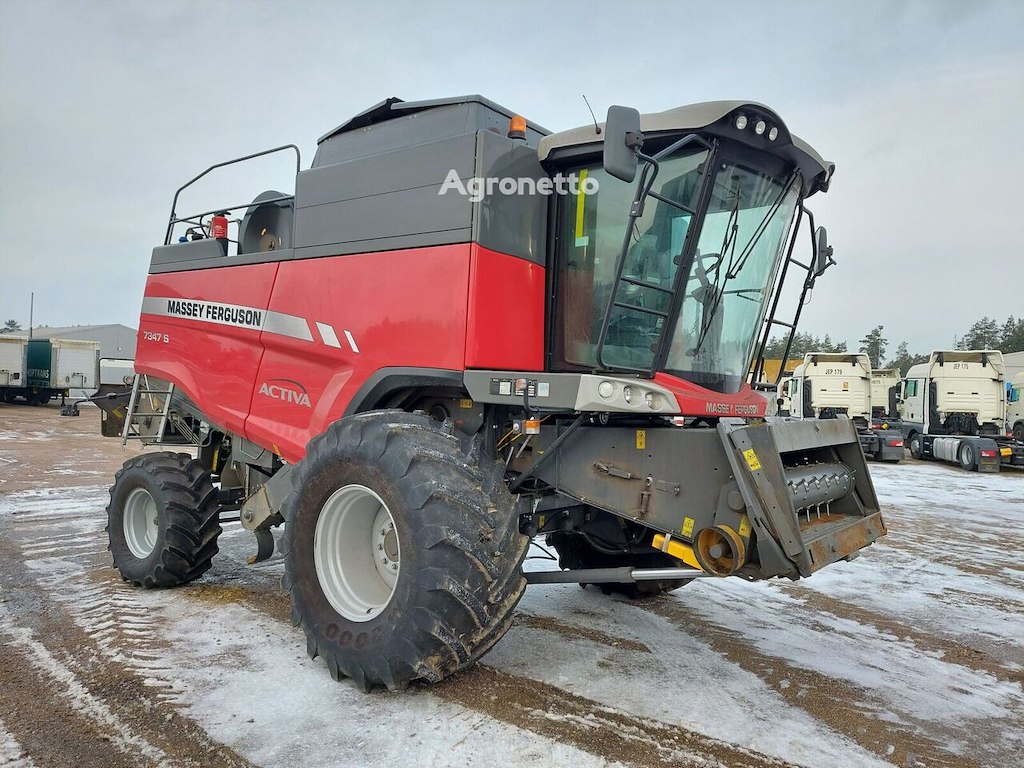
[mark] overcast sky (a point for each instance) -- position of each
(107, 107)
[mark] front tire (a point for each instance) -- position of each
(1018, 431)
(915, 446)
(403, 555)
(163, 520)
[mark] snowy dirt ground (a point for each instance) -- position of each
(912, 654)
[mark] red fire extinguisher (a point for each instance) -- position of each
(219, 230)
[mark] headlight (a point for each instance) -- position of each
(651, 398)
(773, 133)
(627, 393)
(741, 122)
(760, 126)
(606, 389)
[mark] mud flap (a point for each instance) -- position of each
(807, 490)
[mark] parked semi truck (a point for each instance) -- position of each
(1015, 408)
(953, 407)
(50, 368)
(884, 385)
(462, 332)
(829, 385)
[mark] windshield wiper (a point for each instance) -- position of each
(734, 270)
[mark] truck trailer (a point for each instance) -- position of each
(12, 366)
(829, 385)
(50, 368)
(953, 407)
(462, 332)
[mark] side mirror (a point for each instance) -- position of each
(622, 140)
(822, 252)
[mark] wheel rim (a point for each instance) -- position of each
(140, 523)
(356, 552)
(967, 456)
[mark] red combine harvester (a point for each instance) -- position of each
(462, 332)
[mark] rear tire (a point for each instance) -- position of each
(915, 446)
(576, 553)
(390, 488)
(1018, 431)
(966, 454)
(163, 520)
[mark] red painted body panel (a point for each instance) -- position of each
(697, 401)
(402, 308)
(214, 364)
(329, 324)
(506, 312)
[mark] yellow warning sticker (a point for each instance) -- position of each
(641, 439)
(465, 403)
(745, 527)
(687, 526)
(752, 460)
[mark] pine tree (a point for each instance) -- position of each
(874, 345)
(1011, 335)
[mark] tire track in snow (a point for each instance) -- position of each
(843, 707)
(61, 615)
(553, 712)
(58, 675)
(544, 709)
(68, 565)
(950, 650)
(11, 753)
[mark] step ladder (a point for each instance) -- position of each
(149, 412)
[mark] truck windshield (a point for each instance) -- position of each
(737, 252)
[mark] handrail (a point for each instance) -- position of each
(174, 204)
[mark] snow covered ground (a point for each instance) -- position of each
(912, 654)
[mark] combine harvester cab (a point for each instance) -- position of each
(953, 409)
(830, 385)
(462, 332)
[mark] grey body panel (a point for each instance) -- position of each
(678, 489)
(679, 481)
(374, 200)
(394, 123)
(390, 200)
(513, 224)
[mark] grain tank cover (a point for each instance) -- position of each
(394, 124)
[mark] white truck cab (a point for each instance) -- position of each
(953, 408)
(1015, 408)
(882, 380)
(828, 384)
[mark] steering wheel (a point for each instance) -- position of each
(701, 273)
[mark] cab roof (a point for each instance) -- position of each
(716, 118)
